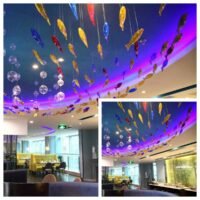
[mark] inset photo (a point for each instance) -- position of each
(149, 148)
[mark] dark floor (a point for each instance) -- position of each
(32, 178)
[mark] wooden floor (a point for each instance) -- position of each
(34, 178)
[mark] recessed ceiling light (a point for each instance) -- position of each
(60, 60)
(72, 116)
(31, 121)
(35, 66)
(80, 123)
(96, 115)
(143, 92)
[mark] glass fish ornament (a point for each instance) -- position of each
(37, 56)
(62, 28)
(72, 50)
(91, 13)
(160, 108)
(82, 36)
(100, 50)
(74, 10)
(36, 37)
(75, 66)
(40, 8)
(122, 17)
(136, 36)
(106, 30)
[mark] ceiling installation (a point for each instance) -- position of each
(64, 55)
(140, 128)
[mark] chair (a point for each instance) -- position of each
(61, 167)
(77, 179)
(49, 178)
(48, 168)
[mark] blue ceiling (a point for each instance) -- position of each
(183, 116)
(20, 18)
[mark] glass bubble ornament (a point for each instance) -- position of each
(56, 86)
(121, 136)
(43, 74)
(108, 150)
(12, 60)
(12, 46)
(60, 82)
(121, 144)
(36, 93)
(60, 96)
(129, 147)
(107, 144)
(12, 76)
(104, 137)
(43, 89)
(17, 65)
(18, 76)
(36, 83)
(16, 90)
(60, 76)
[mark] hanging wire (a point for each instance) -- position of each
(98, 30)
(104, 14)
(136, 18)
(131, 30)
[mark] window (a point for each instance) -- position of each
(155, 171)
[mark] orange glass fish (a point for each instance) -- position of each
(136, 36)
(62, 28)
(75, 66)
(72, 50)
(37, 56)
(100, 50)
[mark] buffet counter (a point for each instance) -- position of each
(181, 191)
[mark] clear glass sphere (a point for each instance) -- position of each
(16, 90)
(43, 89)
(43, 74)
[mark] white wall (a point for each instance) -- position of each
(107, 162)
(15, 127)
(160, 170)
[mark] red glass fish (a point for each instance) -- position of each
(91, 12)
(56, 42)
(136, 48)
(127, 120)
(144, 105)
(59, 70)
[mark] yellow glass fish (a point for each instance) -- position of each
(126, 129)
(107, 81)
(166, 118)
(149, 124)
(155, 67)
(131, 63)
(140, 117)
(136, 36)
(160, 108)
(54, 59)
(148, 76)
(75, 66)
(130, 113)
(37, 56)
(162, 7)
(82, 36)
(135, 124)
(118, 128)
(76, 82)
(35, 114)
(136, 132)
(62, 28)
(122, 17)
(72, 50)
(42, 12)
(100, 50)
(121, 106)
(90, 81)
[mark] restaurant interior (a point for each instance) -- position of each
(149, 149)
(59, 60)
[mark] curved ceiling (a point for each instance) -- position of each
(115, 65)
(139, 128)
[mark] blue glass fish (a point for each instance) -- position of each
(36, 37)
(153, 57)
(94, 68)
(136, 105)
(164, 64)
(116, 61)
(106, 30)
(118, 118)
(74, 10)
(152, 114)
